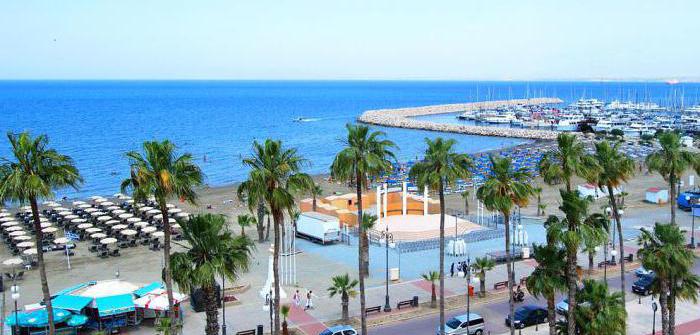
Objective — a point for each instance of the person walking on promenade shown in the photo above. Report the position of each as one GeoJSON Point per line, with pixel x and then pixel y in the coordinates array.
{"type": "Point", "coordinates": [452, 269]}
{"type": "Point", "coordinates": [309, 302]}
{"type": "Point", "coordinates": [297, 298]}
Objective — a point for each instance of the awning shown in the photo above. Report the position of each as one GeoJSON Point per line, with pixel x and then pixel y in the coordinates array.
{"type": "Point", "coordinates": [71, 302]}
{"type": "Point", "coordinates": [148, 289]}
{"type": "Point", "coordinates": [116, 304]}
{"type": "Point", "coordinates": [36, 318]}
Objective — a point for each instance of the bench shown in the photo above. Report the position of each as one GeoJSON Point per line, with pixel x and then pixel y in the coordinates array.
{"type": "Point", "coordinates": [500, 285]}
{"type": "Point", "coordinates": [246, 332]}
{"type": "Point", "coordinates": [629, 258]}
{"type": "Point", "coordinates": [375, 309]}
{"type": "Point", "coordinates": [405, 303]}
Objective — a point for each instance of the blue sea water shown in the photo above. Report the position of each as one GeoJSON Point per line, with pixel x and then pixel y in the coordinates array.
{"type": "Point", "coordinates": [96, 122]}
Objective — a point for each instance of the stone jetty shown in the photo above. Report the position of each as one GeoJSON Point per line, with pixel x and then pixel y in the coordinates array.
{"type": "Point", "coordinates": [402, 118]}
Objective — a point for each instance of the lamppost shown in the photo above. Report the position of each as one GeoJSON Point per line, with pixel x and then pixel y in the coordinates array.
{"type": "Point", "coordinates": [388, 238]}
{"type": "Point", "coordinates": [223, 305]}
{"type": "Point", "coordinates": [15, 296]}
{"type": "Point", "coordinates": [654, 307]}
{"type": "Point", "coordinates": [468, 276]}
{"type": "Point", "coordinates": [613, 253]}
{"type": "Point", "coordinates": [692, 213]}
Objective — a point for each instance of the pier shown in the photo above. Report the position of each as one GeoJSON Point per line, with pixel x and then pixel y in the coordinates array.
{"type": "Point", "coordinates": [402, 118]}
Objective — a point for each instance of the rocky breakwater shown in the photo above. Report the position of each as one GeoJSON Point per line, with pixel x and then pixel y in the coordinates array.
{"type": "Point", "coordinates": [402, 118]}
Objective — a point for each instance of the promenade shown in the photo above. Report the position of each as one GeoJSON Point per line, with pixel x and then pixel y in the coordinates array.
{"type": "Point", "coordinates": [402, 118]}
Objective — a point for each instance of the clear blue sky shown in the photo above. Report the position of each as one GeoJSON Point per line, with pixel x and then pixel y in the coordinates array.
{"type": "Point", "coordinates": [353, 39]}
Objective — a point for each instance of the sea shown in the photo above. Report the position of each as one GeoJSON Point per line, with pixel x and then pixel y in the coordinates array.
{"type": "Point", "coordinates": [97, 122]}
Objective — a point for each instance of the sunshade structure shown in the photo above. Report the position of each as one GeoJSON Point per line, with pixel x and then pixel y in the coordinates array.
{"type": "Point", "coordinates": [39, 318]}
{"type": "Point", "coordinates": [157, 299]}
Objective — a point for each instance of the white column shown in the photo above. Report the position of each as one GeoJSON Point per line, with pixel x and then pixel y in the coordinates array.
{"type": "Point", "coordinates": [425, 200]}
{"type": "Point", "coordinates": [404, 209]}
{"type": "Point", "coordinates": [379, 204]}
{"type": "Point", "coordinates": [386, 199]}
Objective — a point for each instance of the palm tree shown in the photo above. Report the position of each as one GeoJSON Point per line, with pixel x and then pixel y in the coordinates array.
{"type": "Point", "coordinates": [665, 253]}
{"type": "Point", "coordinates": [609, 169]}
{"type": "Point", "coordinates": [164, 326]}
{"type": "Point", "coordinates": [245, 220]}
{"type": "Point", "coordinates": [366, 154]}
{"type": "Point", "coordinates": [548, 278]}
{"type": "Point", "coordinates": [275, 175]}
{"type": "Point", "coordinates": [431, 277]}
{"type": "Point", "coordinates": [210, 252]}
{"type": "Point", "coordinates": [671, 161]}
{"type": "Point", "coordinates": [344, 287]}
{"type": "Point", "coordinates": [440, 168]}
{"type": "Point", "coordinates": [504, 189]}
{"type": "Point", "coordinates": [481, 265]}
{"type": "Point", "coordinates": [465, 196]}
{"type": "Point", "coordinates": [594, 233]}
{"type": "Point", "coordinates": [32, 174]}
{"type": "Point", "coordinates": [685, 286]}
{"type": "Point", "coordinates": [284, 310]}
{"type": "Point", "coordinates": [600, 311]}
{"type": "Point", "coordinates": [538, 193]}
{"type": "Point", "coordinates": [316, 191]}
{"type": "Point", "coordinates": [561, 165]}
{"type": "Point", "coordinates": [160, 172]}
{"type": "Point", "coordinates": [256, 205]}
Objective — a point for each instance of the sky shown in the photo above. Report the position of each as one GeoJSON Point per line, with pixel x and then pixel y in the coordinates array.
{"type": "Point", "coordinates": [353, 39]}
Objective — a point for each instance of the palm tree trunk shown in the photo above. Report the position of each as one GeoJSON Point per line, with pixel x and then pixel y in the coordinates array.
{"type": "Point", "coordinates": [363, 303]}
{"type": "Point", "coordinates": [620, 240]}
{"type": "Point", "coordinates": [466, 205]}
{"type": "Point", "coordinates": [482, 286]}
{"type": "Point", "coordinates": [539, 205]}
{"type": "Point", "coordinates": [279, 220]}
{"type": "Point", "coordinates": [267, 234]}
{"type": "Point", "coordinates": [261, 222]}
{"type": "Point", "coordinates": [166, 263]}
{"type": "Point", "coordinates": [511, 307]}
{"type": "Point", "coordinates": [433, 295]}
{"type": "Point", "coordinates": [672, 307]}
{"type": "Point", "coordinates": [442, 256]}
{"type": "Point", "coordinates": [590, 264]}
{"type": "Point", "coordinates": [551, 316]}
{"type": "Point", "coordinates": [345, 302]}
{"type": "Point", "coordinates": [313, 203]}
{"type": "Point", "coordinates": [672, 201]}
{"type": "Point", "coordinates": [663, 301]}
{"type": "Point", "coordinates": [212, 312]}
{"type": "Point", "coordinates": [42, 266]}
{"type": "Point", "coordinates": [571, 277]}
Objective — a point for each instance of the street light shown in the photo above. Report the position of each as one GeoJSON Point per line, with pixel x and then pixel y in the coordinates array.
{"type": "Point", "coordinates": [387, 236]}
{"type": "Point", "coordinates": [692, 213]}
{"type": "Point", "coordinates": [654, 307]}
{"type": "Point", "coordinates": [613, 253]}
{"type": "Point", "coordinates": [15, 296]}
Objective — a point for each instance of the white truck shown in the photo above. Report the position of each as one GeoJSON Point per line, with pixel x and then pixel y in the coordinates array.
{"type": "Point", "coordinates": [318, 227]}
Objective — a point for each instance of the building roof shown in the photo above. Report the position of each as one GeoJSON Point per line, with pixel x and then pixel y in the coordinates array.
{"type": "Point", "coordinates": [71, 302]}
{"type": "Point", "coordinates": [116, 304]}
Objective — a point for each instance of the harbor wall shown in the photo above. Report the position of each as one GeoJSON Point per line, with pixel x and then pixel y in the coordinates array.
{"type": "Point", "coordinates": [401, 118]}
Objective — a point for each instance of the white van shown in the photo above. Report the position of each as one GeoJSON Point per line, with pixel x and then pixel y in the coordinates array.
{"type": "Point", "coordinates": [458, 325]}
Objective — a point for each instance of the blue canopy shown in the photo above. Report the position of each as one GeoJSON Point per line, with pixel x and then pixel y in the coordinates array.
{"type": "Point", "coordinates": [116, 304]}
{"type": "Point", "coordinates": [148, 289]}
{"type": "Point", "coordinates": [37, 318]}
{"type": "Point", "coordinates": [77, 320]}
{"type": "Point", "coordinates": [71, 302]}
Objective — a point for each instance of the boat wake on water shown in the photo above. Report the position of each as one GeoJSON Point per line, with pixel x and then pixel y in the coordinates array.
{"type": "Point", "coordinates": [307, 119]}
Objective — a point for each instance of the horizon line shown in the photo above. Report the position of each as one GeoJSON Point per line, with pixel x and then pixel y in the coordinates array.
{"type": "Point", "coordinates": [671, 81]}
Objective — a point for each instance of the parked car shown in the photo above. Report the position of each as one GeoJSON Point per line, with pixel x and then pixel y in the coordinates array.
{"type": "Point", "coordinates": [562, 307]}
{"type": "Point", "coordinates": [458, 325]}
{"type": "Point", "coordinates": [527, 316]}
{"type": "Point", "coordinates": [641, 272]}
{"type": "Point", "coordinates": [643, 285]}
{"type": "Point", "coordinates": [339, 330]}
{"type": "Point", "coordinates": [686, 204]}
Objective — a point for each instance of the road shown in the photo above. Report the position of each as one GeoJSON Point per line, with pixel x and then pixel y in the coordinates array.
{"type": "Point", "coordinates": [494, 313]}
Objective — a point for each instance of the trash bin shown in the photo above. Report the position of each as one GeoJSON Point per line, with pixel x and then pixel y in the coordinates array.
{"type": "Point", "coordinates": [415, 301]}
{"type": "Point", "coordinates": [471, 290]}
{"type": "Point", "coordinates": [259, 330]}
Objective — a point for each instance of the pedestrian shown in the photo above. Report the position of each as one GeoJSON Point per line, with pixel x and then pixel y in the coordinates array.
{"type": "Point", "coordinates": [309, 302]}
{"type": "Point", "coordinates": [297, 298]}
{"type": "Point", "coordinates": [452, 269]}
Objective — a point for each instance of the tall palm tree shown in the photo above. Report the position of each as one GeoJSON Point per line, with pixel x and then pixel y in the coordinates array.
{"type": "Point", "coordinates": [504, 189]}
{"type": "Point", "coordinates": [538, 193]}
{"type": "Point", "coordinates": [558, 166]}
{"type": "Point", "coordinates": [344, 287]}
{"type": "Point", "coordinates": [34, 173]}
{"type": "Point", "coordinates": [316, 191]}
{"type": "Point", "coordinates": [432, 277]}
{"type": "Point", "coordinates": [665, 253]}
{"type": "Point", "coordinates": [256, 206]}
{"type": "Point", "coordinates": [609, 169]}
{"type": "Point", "coordinates": [275, 174]}
{"type": "Point", "coordinates": [594, 233]}
{"type": "Point", "coordinates": [599, 310]}
{"type": "Point", "coordinates": [366, 154]}
{"type": "Point", "coordinates": [548, 278]}
{"type": "Point", "coordinates": [210, 252]}
{"type": "Point", "coordinates": [671, 161]}
{"type": "Point", "coordinates": [441, 168]}
{"type": "Point", "coordinates": [160, 172]}
{"type": "Point", "coordinates": [481, 265]}
{"type": "Point", "coordinates": [245, 220]}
